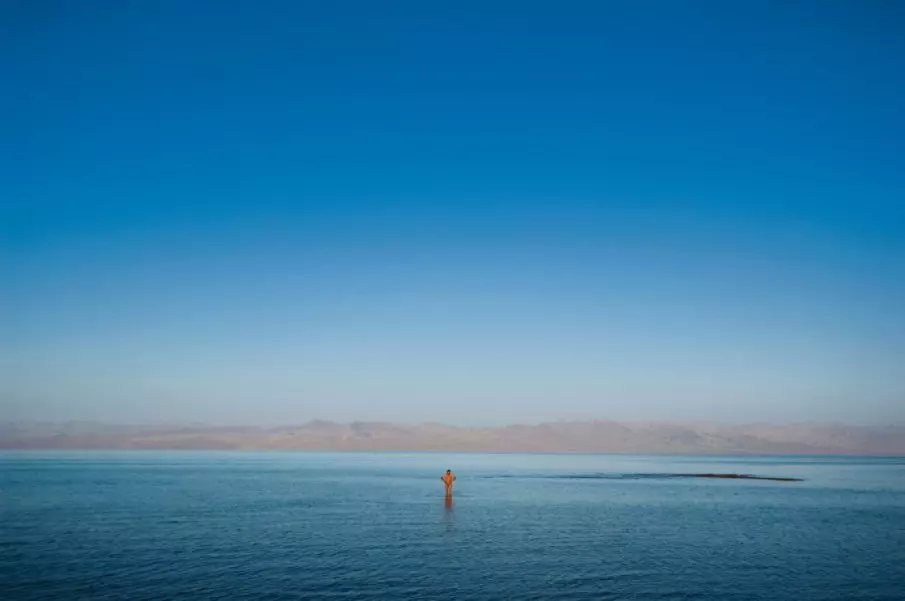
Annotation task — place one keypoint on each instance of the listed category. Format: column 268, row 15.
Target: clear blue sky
column 477, row 213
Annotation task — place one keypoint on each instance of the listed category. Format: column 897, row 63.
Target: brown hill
column 592, row 436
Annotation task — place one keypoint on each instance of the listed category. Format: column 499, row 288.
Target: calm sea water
column 197, row 525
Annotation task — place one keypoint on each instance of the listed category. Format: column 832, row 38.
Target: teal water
column 210, row 525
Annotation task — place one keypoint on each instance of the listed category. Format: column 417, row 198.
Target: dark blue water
column 173, row 525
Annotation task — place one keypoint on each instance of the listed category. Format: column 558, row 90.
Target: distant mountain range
column 589, row 436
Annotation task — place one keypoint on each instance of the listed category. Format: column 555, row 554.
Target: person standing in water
column 448, row 479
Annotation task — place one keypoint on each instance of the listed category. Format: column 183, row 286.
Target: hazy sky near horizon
column 476, row 213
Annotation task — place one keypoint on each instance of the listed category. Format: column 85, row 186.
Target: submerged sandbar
column 744, row 477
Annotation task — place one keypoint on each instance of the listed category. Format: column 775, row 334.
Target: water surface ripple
column 205, row 525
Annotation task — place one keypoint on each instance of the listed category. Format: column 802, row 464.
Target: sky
column 477, row 213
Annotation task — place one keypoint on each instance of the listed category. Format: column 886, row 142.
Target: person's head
column 448, row 471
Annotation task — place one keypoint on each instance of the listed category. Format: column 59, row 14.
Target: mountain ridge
column 601, row 436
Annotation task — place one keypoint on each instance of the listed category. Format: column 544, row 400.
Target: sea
column 174, row 525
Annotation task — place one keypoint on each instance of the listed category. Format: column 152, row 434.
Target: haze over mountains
column 590, row 436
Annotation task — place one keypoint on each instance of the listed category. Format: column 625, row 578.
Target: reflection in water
column 448, row 515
